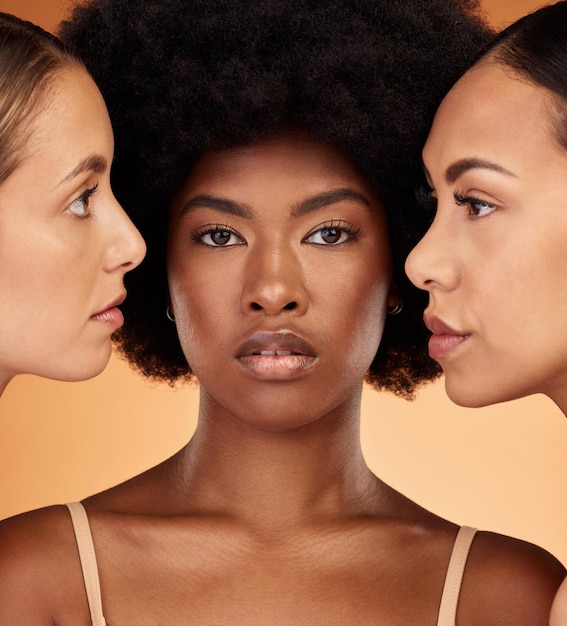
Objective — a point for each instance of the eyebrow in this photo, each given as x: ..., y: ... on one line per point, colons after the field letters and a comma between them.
x: 327, y: 198
x: 457, y: 169
x: 94, y: 163
x: 243, y: 210
x: 206, y: 201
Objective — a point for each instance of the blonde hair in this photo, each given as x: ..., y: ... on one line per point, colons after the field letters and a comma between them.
x: 29, y: 59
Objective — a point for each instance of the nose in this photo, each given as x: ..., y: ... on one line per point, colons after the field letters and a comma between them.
x: 274, y: 283
x: 432, y: 264
x: 126, y: 248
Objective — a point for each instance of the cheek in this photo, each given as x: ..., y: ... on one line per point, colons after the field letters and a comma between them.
x: 37, y: 284
x: 364, y: 311
x: 199, y: 302
x: 373, y: 315
x: 516, y: 303
x: 519, y: 281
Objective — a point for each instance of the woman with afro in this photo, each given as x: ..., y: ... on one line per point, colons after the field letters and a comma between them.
x: 269, y: 152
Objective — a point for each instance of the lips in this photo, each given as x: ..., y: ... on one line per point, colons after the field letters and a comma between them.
x: 438, y: 327
x: 276, y: 356
x: 116, y: 302
x: 444, y: 339
x: 111, y: 314
x: 283, y: 342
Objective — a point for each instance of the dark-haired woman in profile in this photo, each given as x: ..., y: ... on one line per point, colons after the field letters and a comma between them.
x: 267, y: 150
x: 65, y: 242
x: 493, y: 260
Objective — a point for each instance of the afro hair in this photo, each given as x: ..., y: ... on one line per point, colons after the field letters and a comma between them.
x: 185, y: 77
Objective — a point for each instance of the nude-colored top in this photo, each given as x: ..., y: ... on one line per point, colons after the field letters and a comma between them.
x: 454, y: 578
x: 88, y: 561
x: 447, y: 610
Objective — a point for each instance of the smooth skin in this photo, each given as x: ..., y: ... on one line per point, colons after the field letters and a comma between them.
x: 65, y: 242
x: 279, y: 271
x: 494, y: 259
x: 559, y: 610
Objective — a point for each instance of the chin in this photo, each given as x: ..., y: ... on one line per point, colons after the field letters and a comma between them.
x: 282, y: 423
x: 94, y: 370
x: 78, y: 368
x: 470, y: 397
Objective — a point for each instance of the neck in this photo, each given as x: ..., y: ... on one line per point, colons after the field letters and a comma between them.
x: 286, y: 477
x: 556, y: 390
x: 560, y: 400
x: 4, y: 380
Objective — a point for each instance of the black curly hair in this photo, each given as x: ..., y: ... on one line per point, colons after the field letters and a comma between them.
x: 185, y: 77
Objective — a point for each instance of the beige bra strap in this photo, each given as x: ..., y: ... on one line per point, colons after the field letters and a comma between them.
x: 452, y: 588
x: 88, y: 561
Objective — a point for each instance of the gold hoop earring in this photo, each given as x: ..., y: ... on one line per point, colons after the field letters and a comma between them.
x: 396, y: 308
x: 169, y: 314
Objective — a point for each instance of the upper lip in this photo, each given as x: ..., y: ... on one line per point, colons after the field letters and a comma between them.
x: 116, y: 302
x: 281, y: 341
x: 438, y: 327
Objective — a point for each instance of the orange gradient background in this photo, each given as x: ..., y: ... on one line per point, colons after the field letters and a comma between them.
x: 502, y: 468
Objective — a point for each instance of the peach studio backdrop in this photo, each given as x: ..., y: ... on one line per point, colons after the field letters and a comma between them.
x: 503, y: 468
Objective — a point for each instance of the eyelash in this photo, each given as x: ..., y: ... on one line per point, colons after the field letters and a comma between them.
x: 426, y: 200
x: 473, y: 202
x: 334, y: 225
x: 209, y: 229
x: 84, y: 199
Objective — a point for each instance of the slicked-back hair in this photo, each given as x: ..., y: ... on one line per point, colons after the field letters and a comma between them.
x: 29, y: 59
x: 536, y: 47
x: 185, y: 77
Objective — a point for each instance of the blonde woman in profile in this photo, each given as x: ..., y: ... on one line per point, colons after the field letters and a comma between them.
x: 65, y: 242
x: 494, y: 260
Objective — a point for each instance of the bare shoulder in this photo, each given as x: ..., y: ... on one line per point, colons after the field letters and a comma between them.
x: 39, y: 567
x: 508, y: 581
x: 559, y: 611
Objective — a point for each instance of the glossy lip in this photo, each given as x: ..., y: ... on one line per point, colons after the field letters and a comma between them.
x: 444, y: 339
x: 276, y: 356
x: 111, y: 314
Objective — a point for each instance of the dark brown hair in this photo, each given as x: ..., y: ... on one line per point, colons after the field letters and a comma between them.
x: 536, y: 48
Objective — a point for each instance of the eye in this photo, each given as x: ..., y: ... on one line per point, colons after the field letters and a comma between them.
x: 217, y: 236
x: 477, y: 207
x: 332, y: 234
x: 80, y: 206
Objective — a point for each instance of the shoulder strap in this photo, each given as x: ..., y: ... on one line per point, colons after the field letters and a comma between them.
x: 88, y: 561
x: 452, y: 588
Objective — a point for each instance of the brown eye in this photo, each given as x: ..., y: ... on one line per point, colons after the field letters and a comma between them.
x: 80, y: 206
x: 476, y: 206
x: 331, y: 235
x: 217, y: 237
x: 220, y: 237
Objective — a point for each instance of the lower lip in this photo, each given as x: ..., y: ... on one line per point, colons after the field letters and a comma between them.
x: 441, y: 346
x: 276, y: 367
x: 112, y: 316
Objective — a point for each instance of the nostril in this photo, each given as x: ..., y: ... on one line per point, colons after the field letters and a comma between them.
x: 290, y: 306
